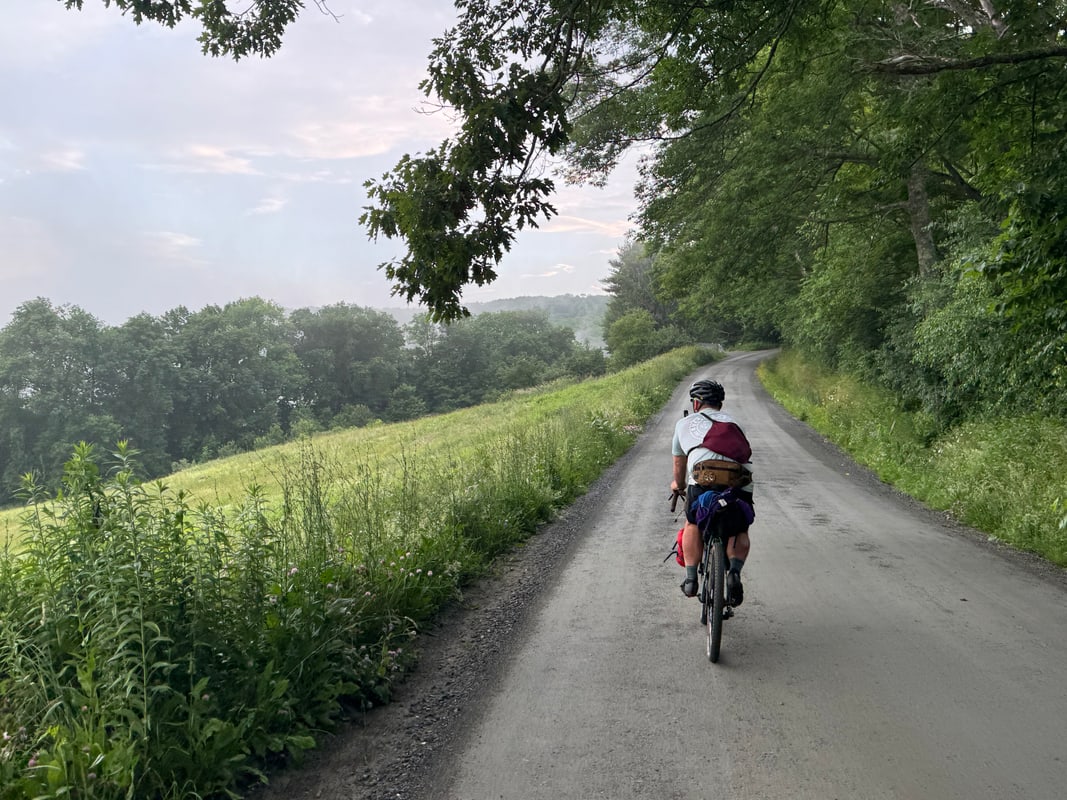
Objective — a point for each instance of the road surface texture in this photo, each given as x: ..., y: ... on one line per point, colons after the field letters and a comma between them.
x: 882, y: 651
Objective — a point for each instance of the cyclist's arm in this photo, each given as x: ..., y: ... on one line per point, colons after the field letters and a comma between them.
x: 680, y: 469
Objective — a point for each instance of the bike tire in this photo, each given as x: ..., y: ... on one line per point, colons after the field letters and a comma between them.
x: 705, y: 589
x: 716, y: 603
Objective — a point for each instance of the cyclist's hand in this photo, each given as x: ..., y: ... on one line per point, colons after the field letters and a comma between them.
x: 675, y: 494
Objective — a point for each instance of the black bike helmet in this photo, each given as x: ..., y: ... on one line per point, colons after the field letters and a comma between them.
x: 708, y: 392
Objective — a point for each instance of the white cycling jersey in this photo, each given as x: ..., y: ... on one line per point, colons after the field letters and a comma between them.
x: 689, y: 436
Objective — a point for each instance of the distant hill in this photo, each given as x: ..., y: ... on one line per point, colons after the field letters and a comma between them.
x: 582, y: 313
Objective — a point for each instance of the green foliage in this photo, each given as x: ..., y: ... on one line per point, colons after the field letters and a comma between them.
x: 154, y: 647
x: 1030, y: 269
x: 586, y: 362
x: 476, y: 359
x: 459, y: 206
x: 632, y: 287
x: 234, y: 363
x: 865, y: 420
x: 818, y: 208
x: 53, y: 389
x: 971, y: 462
x: 999, y: 371
x: 634, y: 337
x: 846, y: 303
x: 520, y: 76
x: 352, y: 416
x: 582, y: 314
x: 960, y: 469
x: 350, y: 355
x: 405, y: 403
x: 247, y: 30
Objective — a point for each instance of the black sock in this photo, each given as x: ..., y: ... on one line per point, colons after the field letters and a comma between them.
x: 736, y: 564
x: 691, y: 574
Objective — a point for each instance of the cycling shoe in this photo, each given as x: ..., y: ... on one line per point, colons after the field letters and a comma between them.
x: 735, y: 593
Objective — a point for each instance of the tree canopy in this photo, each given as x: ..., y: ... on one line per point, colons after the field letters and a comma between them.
x: 829, y: 173
x: 227, y: 28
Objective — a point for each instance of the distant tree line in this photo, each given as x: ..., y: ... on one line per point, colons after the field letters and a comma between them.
x: 189, y: 386
x: 582, y: 313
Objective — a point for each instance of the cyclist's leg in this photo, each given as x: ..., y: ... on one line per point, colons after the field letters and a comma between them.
x: 692, y: 544
x: 737, y: 546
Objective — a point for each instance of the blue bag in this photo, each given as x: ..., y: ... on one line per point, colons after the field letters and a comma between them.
x: 737, y: 514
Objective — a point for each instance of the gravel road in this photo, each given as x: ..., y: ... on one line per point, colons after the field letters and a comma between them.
x: 882, y: 652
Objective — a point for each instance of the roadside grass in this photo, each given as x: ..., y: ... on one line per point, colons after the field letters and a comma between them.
x: 1005, y: 477
x: 181, y: 638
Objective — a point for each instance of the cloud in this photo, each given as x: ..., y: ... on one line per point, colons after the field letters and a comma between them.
x: 202, y: 158
x: 365, y: 128
x: 66, y: 160
x: 31, y: 155
x: 174, y: 247
x: 552, y: 272
x: 367, y: 125
x: 316, y: 176
x: 572, y: 224
x: 269, y: 205
x: 343, y: 139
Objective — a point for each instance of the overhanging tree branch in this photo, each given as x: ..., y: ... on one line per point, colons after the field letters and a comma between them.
x: 931, y: 65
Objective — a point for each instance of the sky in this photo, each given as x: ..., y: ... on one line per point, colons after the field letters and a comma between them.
x: 139, y: 175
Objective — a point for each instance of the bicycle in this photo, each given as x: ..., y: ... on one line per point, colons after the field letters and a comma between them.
x: 714, y: 607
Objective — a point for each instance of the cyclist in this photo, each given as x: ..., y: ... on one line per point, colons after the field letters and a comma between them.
x: 688, y: 450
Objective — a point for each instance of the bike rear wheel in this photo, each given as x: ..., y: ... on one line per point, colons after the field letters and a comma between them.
x: 705, y: 589
x: 715, y: 596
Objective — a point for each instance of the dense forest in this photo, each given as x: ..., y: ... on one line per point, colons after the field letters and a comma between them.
x: 189, y: 386
x: 880, y: 185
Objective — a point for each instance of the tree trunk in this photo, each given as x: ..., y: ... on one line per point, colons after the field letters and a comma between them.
x: 919, y: 213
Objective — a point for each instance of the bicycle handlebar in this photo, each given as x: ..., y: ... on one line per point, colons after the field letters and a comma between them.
x: 675, y: 494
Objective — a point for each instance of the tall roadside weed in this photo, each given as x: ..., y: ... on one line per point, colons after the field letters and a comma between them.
x: 1004, y: 475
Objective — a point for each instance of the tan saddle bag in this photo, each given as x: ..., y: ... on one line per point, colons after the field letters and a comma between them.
x: 720, y: 472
